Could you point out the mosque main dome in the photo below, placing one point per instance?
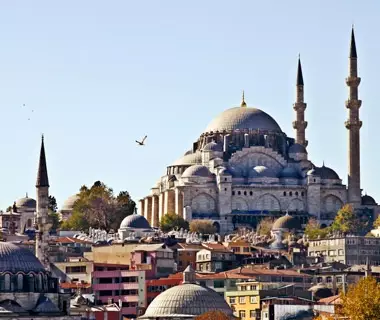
(243, 118)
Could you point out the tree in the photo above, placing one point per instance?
(9, 209)
(54, 220)
(346, 221)
(313, 230)
(264, 227)
(52, 204)
(202, 226)
(376, 224)
(97, 207)
(172, 221)
(213, 315)
(362, 300)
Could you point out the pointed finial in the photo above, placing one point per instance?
(353, 53)
(299, 72)
(42, 175)
(243, 104)
(323, 163)
(26, 194)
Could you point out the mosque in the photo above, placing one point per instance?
(243, 167)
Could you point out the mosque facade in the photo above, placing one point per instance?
(243, 167)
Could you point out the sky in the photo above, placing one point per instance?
(97, 75)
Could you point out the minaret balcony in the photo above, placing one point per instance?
(352, 124)
(299, 106)
(353, 104)
(299, 125)
(353, 81)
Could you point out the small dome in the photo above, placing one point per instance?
(189, 159)
(213, 146)
(297, 148)
(289, 172)
(262, 171)
(225, 172)
(196, 171)
(239, 118)
(68, 205)
(327, 173)
(135, 221)
(186, 301)
(287, 222)
(368, 201)
(16, 259)
(26, 202)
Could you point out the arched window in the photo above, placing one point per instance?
(31, 283)
(7, 279)
(284, 193)
(20, 282)
(290, 193)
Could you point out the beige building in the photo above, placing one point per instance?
(244, 167)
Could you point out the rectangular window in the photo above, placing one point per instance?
(332, 253)
(246, 249)
(339, 279)
(241, 300)
(243, 288)
(218, 284)
(76, 269)
(242, 314)
(253, 299)
(252, 314)
(232, 300)
(341, 252)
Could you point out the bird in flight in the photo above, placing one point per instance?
(141, 143)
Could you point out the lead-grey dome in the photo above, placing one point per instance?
(368, 201)
(287, 222)
(16, 259)
(196, 171)
(26, 202)
(213, 146)
(184, 301)
(243, 118)
(135, 221)
(189, 159)
(327, 173)
(69, 203)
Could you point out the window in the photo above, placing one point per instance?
(250, 193)
(339, 279)
(76, 269)
(290, 193)
(233, 193)
(202, 283)
(218, 284)
(302, 193)
(245, 193)
(239, 193)
(242, 314)
(341, 252)
(329, 279)
(232, 300)
(246, 249)
(241, 300)
(285, 193)
(252, 314)
(253, 299)
(332, 252)
(243, 288)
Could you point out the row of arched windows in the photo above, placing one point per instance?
(23, 282)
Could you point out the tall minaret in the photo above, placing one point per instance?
(43, 224)
(353, 124)
(299, 106)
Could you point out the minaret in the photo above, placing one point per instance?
(353, 124)
(299, 106)
(42, 222)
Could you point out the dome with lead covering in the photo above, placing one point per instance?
(241, 118)
(287, 222)
(15, 259)
(135, 221)
(213, 146)
(68, 205)
(196, 171)
(26, 202)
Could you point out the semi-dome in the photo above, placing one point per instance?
(135, 221)
(15, 259)
(196, 171)
(26, 202)
(69, 202)
(213, 146)
(368, 201)
(290, 172)
(287, 222)
(189, 159)
(297, 148)
(241, 118)
(327, 173)
(185, 301)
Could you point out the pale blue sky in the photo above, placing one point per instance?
(100, 74)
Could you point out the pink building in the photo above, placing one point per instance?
(156, 259)
(115, 283)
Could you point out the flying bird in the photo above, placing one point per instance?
(141, 143)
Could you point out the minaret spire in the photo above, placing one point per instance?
(42, 175)
(299, 106)
(243, 104)
(353, 124)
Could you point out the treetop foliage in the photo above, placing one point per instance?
(172, 221)
(202, 226)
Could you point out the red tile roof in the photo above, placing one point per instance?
(69, 285)
(69, 240)
(216, 247)
(262, 270)
(331, 300)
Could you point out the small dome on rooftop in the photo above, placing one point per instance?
(69, 202)
(196, 171)
(26, 202)
(213, 146)
(368, 201)
(287, 222)
(135, 221)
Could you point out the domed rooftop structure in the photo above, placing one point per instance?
(241, 118)
(287, 222)
(213, 146)
(27, 203)
(326, 173)
(69, 203)
(290, 172)
(16, 259)
(297, 148)
(186, 301)
(135, 221)
(368, 201)
(189, 159)
(196, 171)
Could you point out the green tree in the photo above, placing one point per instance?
(52, 204)
(346, 221)
(362, 300)
(202, 226)
(376, 224)
(313, 230)
(9, 209)
(265, 226)
(54, 218)
(172, 221)
(97, 207)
